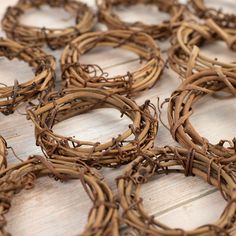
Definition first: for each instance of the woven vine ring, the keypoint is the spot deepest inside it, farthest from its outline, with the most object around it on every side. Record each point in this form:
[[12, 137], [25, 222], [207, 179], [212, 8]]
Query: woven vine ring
[[119, 150], [43, 80], [224, 19], [174, 160], [54, 38], [87, 75], [197, 86], [157, 31], [185, 55], [102, 219]]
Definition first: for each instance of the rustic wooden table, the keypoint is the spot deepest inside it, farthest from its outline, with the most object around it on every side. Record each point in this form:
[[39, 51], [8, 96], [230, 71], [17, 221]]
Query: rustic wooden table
[[54, 208]]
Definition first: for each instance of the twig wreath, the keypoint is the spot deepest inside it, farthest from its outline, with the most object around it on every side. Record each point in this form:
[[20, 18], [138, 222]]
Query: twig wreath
[[222, 18], [102, 219], [185, 56], [157, 31], [194, 88], [3, 153], [87, 75], [119, 150], [54, 38], [43, 80], [175, 160]]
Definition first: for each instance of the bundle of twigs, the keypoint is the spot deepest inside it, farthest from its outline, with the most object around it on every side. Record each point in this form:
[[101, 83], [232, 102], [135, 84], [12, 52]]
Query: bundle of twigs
[[102, 219], [119, 150], [194, 88], [43, 80], [185, 55], [175, 160], [157, 31], [222, 18], [54, 38], [87, 75]]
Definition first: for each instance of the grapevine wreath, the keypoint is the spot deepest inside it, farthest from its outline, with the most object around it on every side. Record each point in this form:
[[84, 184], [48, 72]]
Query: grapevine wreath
[[185, 56], [54, 38], [222, 18], [43, 80], [175, 160], [102, 219], [87, 75], [194, 88], [157, 31], [119, 150]]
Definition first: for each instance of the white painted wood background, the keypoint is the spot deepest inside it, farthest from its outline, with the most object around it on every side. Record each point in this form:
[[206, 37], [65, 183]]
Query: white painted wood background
[[56, 209]]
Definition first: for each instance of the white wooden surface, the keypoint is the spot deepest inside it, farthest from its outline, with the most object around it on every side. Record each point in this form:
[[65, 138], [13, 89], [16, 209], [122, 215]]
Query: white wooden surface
[[55, 209]]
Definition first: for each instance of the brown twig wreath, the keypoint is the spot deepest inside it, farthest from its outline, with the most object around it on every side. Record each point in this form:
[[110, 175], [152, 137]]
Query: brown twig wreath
[[175, 160], [180, 109], [54, 38], [158, 31], [3, 153], [43, 65], [103, 217], [71, 102], [185, 56], [86, 75], [201, 10]]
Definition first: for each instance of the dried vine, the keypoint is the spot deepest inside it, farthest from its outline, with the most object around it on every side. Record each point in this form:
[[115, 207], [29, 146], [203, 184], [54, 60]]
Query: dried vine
[[119, 150], [102, 219], [185, 55], [194, 88], [222, 18], [54, 38], [175, 160], [3, 153], [87, 75], [43, 80], [157, 31]]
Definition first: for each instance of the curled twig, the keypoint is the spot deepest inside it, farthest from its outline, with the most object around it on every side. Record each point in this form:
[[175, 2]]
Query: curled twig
[[54, 38], [3, 153]]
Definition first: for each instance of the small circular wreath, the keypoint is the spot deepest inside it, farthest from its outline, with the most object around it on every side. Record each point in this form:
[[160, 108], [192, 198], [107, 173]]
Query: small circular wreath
[[207, 82], [43, 81], [102, 219], [223, 19], [185, 56], [3, 153], [174, 160], [157, 31], [119, 150], [86, 75], [54, 38]]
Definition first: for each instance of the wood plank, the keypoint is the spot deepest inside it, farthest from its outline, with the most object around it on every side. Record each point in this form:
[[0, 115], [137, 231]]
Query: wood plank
[[163, 194], [51, 208], [204, 209], [196, 212]]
